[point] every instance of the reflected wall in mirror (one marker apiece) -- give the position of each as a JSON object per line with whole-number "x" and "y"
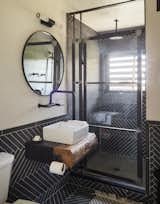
{"x": 43, "y": 63}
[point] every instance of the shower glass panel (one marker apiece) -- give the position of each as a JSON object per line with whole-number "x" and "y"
{"x": 114, "y": 105}
{"x": 116, "y": 155}
{"x": 112, "y": 66}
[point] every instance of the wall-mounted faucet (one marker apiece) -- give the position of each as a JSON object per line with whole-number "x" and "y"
{"x": 51, "y": 104}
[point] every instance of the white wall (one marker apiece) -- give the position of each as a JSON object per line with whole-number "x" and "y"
{"x": 85, "y": 4}
{"x": 153, "y": 58}
{"x": 18, "y": 104}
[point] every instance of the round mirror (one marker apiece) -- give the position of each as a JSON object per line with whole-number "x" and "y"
{"x": 43, "y": 63}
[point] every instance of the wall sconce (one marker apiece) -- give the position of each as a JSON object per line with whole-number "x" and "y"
{"x": 45, "y": 20}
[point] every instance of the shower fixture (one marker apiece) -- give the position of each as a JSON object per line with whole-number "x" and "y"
{"x": 116, "y": 36}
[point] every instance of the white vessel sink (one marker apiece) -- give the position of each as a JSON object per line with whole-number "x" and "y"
{"x": 66, "y": 132}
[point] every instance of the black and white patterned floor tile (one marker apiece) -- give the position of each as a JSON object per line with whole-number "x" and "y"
{"x": 92, "y": 186}
{"x": 86, "y": 197}
{"x": 79, "y": 196}
{"x": 101, "y": 201}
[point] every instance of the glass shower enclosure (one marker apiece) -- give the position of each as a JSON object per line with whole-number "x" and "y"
{"x": 108, "y": 78}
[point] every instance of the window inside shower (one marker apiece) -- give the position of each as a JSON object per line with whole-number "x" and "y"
{"x": 108, "y": 78}
{"x": 125, "y": 68}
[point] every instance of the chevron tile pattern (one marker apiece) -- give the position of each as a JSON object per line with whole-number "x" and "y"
{"x": 127, "y": 117}
{"x": 88, "y": 195}
{"x": 79, "y": 196}
{"x": 31, "y": 180}
{"x": 120, "y": 142}
{"x": 90, "y": 186}
{"x": 154, "y": 134}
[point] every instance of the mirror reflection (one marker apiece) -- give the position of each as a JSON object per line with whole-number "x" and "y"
{"x": 43, "y": 63}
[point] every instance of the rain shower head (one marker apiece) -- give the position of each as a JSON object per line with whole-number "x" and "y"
{"x": 116, "y": 36}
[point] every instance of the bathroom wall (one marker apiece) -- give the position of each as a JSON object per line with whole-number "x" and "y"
{"x": 18, "y": 21}
{"x": 153, "y": 94}
{"x": 83, "y": 4}
{"x": 153, "y": 57}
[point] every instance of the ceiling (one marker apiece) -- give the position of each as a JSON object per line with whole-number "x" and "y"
{"x": 85, "y": 4}
{"x": 129, "y": 15}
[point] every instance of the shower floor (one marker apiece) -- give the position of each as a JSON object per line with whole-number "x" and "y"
{"x": 84, "y": 196}
{"x": 119, "y": 166}
{"x": 83, "y": 191}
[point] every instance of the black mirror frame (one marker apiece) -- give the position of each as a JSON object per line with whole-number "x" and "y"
{"x": 158, "y": 5}
{"x": 22, "y": 61}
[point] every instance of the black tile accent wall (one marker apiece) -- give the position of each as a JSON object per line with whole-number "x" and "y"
{"x": 123, "y": 143}
{"x": 154, "y": 157}
{"x": 31, "y": 180}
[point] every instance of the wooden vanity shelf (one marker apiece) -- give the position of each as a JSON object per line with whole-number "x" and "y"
{"x": 69, "y": 154}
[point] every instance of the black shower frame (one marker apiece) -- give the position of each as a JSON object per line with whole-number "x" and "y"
{"x": 83, "y": 85}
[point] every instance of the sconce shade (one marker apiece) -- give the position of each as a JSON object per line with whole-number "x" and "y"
{"x": 45, "y": 20}
{"x": 48, "y": 23}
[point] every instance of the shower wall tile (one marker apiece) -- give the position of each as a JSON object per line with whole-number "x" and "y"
{"x": 121, "y": 142}
{"x": 31, "y": 180}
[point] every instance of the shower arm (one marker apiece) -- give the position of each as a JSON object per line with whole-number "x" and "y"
{"x": 116, "y": 29}
{"x": 51, "y": 104}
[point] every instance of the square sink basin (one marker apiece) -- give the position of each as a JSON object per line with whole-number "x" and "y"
{"x": 66, "y": 132}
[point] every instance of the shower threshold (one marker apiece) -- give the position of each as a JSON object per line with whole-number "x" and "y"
{"x": 96, "y": 176}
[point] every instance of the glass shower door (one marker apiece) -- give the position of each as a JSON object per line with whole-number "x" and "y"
{"x": 109, "y": 96}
